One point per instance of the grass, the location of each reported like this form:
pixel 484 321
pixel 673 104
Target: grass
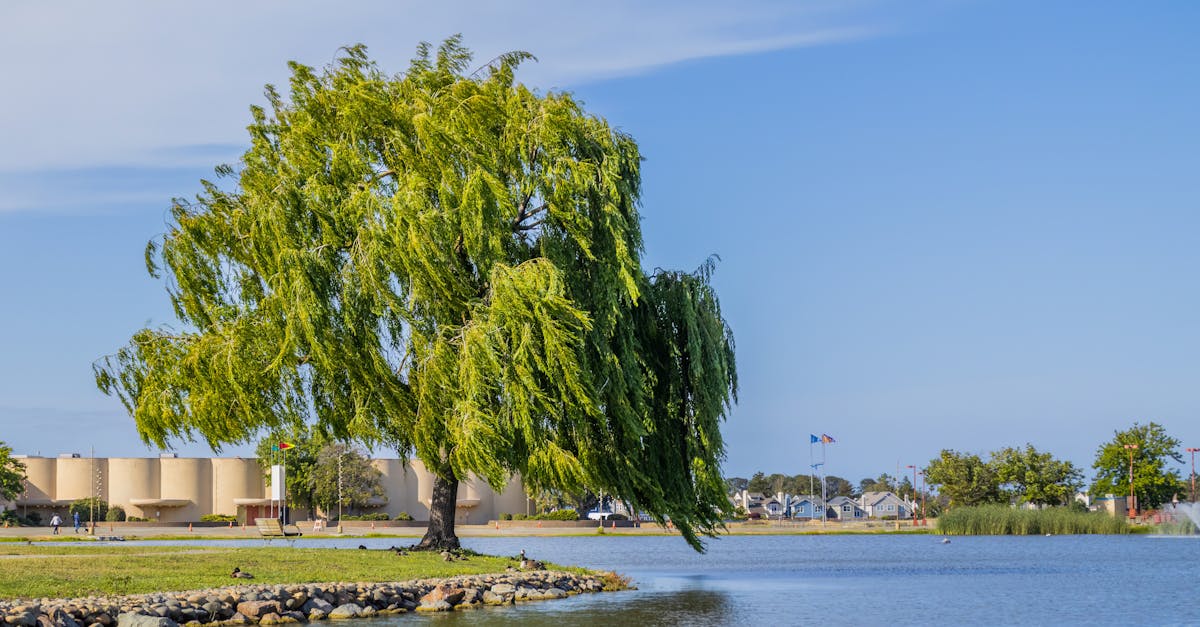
pixel 66 570
pixel 1005 520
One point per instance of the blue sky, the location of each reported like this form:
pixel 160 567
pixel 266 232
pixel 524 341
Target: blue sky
pixel 965 225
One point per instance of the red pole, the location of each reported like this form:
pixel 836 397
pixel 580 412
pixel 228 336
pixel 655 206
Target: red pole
pixel 1193 452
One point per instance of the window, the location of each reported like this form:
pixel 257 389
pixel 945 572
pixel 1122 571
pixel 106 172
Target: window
pixel 891 508
pixel 846 508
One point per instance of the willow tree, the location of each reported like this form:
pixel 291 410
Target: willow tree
pixel 448 264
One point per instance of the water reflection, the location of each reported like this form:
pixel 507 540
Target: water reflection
pixel 684 607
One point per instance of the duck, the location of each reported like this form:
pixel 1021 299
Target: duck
pixel 238 574
pixel 945 540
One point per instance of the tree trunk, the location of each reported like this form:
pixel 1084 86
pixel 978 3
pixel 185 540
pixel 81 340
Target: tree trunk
pixel 440 534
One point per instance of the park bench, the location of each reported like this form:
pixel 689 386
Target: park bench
pixel 272 528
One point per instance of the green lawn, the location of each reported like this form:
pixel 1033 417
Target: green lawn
pixel 67 570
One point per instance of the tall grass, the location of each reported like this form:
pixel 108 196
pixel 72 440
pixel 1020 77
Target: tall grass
pixel 999 520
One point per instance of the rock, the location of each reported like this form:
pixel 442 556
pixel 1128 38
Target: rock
pixel 554 593
pixel 436 606
pixel 317 614
pixel 45 621
pixel 238 618
pixel 504 588
pixel 444 592
pixel 255 609
pixel 270 618
pixel 491 598
pixel 24 618
pixel 129 619
pixel 347 610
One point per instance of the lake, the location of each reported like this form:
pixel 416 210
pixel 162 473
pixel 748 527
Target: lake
pixel 856 580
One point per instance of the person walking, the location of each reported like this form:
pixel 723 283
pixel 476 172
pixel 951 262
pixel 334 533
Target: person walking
pixel 55 523
pixel 76 522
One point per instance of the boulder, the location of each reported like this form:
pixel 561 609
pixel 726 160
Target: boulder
pixel 130 619
pixel 444 592
pixel 255 609
pixel 346 610
pixel 504 588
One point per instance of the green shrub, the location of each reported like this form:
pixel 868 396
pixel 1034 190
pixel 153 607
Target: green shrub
pixel 116 513
pixel 32 519
pixel 403 516
pixel 218 518
pixel 506 516
pixel 562 514
pixel 374 516
pixel 1005 520
pixel 88 506
pixel 136 519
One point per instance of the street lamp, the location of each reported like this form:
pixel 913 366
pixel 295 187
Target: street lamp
pixel 924 521
pixel 914 486
pixel 1193 452
pixel 1132 498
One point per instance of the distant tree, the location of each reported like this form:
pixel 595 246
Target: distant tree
pixel 882 483
pixel 759 483
pixel 299 462
pixel 12 474
pixel 834 486
pixel 359 480
pixel 1153 483
pixel 1033 477
pixel 963 478
pixel 734 485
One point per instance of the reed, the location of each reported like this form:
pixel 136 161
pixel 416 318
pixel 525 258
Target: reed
pixel 999 520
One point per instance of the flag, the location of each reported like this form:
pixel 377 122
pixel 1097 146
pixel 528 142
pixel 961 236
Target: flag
pixel 814 439
pixel 827 439
pixel 283 446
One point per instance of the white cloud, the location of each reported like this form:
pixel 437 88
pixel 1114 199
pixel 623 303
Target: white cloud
pixel 122 82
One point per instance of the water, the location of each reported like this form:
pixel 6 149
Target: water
pixel 856 580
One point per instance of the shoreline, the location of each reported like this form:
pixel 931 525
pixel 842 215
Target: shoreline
pixel 492 529
pixel 272 604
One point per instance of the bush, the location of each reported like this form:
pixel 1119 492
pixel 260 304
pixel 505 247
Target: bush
pixel 562 514
pixel 506 516
pixel 136 519
pixel 403 516
pixel 374 516
pixel 32 519
pixel 218 518
pixel 87 506
pixel 9 517
pixel 116 513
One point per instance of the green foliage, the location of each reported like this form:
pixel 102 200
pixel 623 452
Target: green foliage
pixel 1033 477
pixel 964 479
pixel 376 516
pixel 403 516
pixel 88 507
pixel 447 263
pixel 796 484
pixel 561 514
pixel 299 461
pixel 136 519
pixel 116 513
pixel 1006 520
pixel 1153 483
pixel 12 474
pixel 218 518
pixel 339 464
pixel 506 516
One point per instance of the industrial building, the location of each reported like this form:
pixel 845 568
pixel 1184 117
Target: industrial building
pixel 182 489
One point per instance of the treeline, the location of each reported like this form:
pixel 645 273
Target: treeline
pixel 1017 475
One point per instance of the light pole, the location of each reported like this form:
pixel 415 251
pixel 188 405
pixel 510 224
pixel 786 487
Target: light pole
pixel 924 521
pixel 914 487
pixel 1132 498
pixel 1193 452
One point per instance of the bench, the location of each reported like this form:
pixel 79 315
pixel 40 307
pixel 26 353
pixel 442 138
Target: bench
pixel 272 528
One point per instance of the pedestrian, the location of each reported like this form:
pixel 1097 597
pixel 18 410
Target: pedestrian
pixel 55 523
pixel 76 522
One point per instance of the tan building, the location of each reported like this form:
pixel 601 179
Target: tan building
pixel 182 489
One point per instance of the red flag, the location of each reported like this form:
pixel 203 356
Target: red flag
pixel 283 446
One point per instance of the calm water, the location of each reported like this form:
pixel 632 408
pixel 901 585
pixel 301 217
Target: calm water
pixel 858 580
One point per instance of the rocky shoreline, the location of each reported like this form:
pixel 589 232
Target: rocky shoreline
pixel 273 604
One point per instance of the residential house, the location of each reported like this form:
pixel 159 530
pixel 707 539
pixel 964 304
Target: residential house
pixel 845 508
pixel 885 505
pixel 807 507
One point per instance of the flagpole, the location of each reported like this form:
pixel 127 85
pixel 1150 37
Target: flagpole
pixel 811 490
pixel 824 505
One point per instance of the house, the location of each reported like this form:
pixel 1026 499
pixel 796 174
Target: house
pixel 845 508
pixel 884 505
pixel 807 507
